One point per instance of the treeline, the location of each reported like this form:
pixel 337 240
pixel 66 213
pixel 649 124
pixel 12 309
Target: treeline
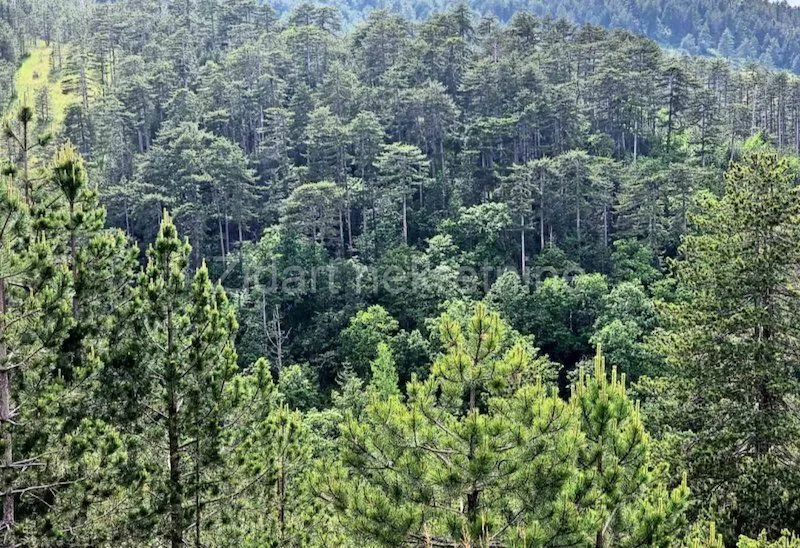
pixel 761 30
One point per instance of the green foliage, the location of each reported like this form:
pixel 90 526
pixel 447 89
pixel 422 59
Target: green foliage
pixel 185 362
pixel 358 189
pixel 626 496
pixel 201 177
pixel 297 386
pixel 628 318
pixel 633 261
pixel 401 168
pixel 446 462
pixel 384 381
pixel 729 345
pixel 367 330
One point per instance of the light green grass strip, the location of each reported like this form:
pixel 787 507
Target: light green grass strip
pixel 31 76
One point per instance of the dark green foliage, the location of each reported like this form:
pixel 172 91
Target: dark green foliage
pixel 731 345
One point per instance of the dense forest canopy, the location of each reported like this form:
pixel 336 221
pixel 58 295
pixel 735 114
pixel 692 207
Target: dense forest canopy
pixel 743 30
pixel 293 275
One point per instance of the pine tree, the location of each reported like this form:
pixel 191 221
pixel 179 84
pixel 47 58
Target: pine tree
pixel 266 498
pixel 731 346
pixel 402 167
pixel 523 189
pixel 475 439
pixel 314 210
pixel 384 380
pixel 188 358
pixel 48 386
pixel 481 435
pixel 627 501
pixel 32 321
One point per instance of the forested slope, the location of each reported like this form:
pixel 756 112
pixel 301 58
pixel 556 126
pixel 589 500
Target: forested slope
pixel 743 30
pixel 429 236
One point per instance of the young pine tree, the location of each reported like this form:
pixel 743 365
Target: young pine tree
pixel 266 498
pixel 478 453
pixel 624 493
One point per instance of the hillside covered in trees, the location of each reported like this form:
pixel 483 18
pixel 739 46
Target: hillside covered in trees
pixel 271 277
pixel 764 31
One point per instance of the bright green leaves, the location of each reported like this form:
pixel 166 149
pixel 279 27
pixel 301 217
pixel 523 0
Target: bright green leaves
pixel 384 374
pixel 68 172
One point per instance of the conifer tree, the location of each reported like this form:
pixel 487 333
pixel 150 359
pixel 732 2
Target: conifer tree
pixel 522 190
pixel 731 345
pixel 187 358
pixel 480 437
pixel 58 458
pixel 32 321
pixel 101 266
pixel 384 381
pixel 402 167
pixel 266 498
pixel 627 501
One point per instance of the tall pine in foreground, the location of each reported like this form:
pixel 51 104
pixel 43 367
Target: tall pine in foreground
pixel 186 359
pixel 59 458
pixel 734 350
pixel 101 264
pixel 33 319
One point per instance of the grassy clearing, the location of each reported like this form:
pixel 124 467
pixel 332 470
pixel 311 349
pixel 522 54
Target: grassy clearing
pixel 35 73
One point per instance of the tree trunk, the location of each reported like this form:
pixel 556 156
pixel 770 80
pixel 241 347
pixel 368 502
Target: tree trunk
pixel 221 240
pixel 541 212
pixel 265 322
pixel 374 222
pixel 797 135
pixel 281 487
pixel 405 222
pixel 73 255
pixel 25 174
pixel 522 244
pixel 341 234
pixel 197 511
pixel 349 227
pixel 600 540
pixel 6 419
pixel 441 155
pixel 173 438
pixel 227 234
pixel 278 339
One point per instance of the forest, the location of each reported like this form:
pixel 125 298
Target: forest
pixel 314 275
pixel 762 31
